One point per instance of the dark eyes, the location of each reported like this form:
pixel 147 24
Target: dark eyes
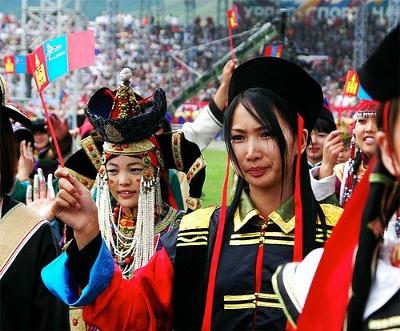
pixel 266 134
pixel 136 170
pixel 238 137
pixel 131 170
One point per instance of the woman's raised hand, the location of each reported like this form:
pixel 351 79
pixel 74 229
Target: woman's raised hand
pixel 42 196
pixel 75 206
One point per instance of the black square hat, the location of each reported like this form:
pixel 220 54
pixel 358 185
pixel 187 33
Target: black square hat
pixel 285 79
pixel 122 116
pixel 380 74
pixel 11 110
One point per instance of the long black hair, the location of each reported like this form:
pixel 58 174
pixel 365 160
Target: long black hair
pixel 263 105
pixel 8 158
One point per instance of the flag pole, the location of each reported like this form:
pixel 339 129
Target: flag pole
pixel 52 132
pixel 231 42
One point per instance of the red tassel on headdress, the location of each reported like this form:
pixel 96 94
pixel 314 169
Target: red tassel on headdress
pixel 207 318
pixel 332 280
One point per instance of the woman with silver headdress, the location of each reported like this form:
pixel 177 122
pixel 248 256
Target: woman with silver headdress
pixel 134 201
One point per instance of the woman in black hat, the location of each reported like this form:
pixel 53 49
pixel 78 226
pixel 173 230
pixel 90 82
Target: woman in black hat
pixel 214 272
pixel 27 244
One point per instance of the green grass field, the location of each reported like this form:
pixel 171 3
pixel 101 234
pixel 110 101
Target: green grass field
pixel 215 173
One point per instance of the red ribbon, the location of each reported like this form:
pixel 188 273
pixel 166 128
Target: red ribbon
pixel 298 211
pixel 52 132
pixel 207 318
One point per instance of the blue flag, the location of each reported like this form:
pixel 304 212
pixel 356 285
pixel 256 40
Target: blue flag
pixel 56 54
pixel 20 64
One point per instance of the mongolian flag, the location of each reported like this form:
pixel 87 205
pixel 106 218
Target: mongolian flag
pixel 37 66
pixel 352 84
pixel 232 19
pixel 352 87
pixel 273 50
pixel 9 64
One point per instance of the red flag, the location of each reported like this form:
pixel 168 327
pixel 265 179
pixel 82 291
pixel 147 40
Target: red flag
pixel 352 84
pixel 232 19
pixel 332 281
pixel 81 51
pixel 37 66
pixel 9 64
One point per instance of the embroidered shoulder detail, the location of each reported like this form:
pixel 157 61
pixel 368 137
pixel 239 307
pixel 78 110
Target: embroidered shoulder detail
pixel 332 213
pixel 199 219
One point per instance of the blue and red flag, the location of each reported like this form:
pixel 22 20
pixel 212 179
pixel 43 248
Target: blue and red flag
pixel 273 50
pixel 352 86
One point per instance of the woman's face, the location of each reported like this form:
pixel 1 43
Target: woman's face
pixel 316 147
pixel 256 151
pixel 41 140
pixel 124 174
pixel 365 131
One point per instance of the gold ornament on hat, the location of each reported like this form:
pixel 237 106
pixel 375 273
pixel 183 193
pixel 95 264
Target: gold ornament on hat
pixel 125 104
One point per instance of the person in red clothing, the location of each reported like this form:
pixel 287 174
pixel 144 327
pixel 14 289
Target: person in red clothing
pixel 262 124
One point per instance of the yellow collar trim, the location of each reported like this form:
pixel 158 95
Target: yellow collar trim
pixel 282 216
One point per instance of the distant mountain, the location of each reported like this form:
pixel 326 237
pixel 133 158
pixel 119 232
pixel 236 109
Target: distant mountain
pixel 93 8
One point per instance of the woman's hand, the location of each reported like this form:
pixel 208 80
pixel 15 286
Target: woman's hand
pixel 221 96
pixel 76 208
pixel 332 147
pixel 43 195
pixel 26 161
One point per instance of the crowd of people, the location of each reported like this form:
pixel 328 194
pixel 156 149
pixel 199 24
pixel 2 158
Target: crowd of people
pixel 313 213
pixel 148 45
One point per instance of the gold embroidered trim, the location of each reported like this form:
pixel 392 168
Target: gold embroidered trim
pixel 269 304
pixel 192 233
pixel 192 244
pixel 193 203
pixel 195 168
pixel 176 150
pixel 239 297
pixel 189 240
pixel 268 296
pixel 166 221
pixel 92 152
pixel 239 305
pixel 257 241
pixel 258 234
pixel 199 219
pixel 257 299
pixel 380 324
pixel 128 149
pixel 85 181
pixel 278 220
